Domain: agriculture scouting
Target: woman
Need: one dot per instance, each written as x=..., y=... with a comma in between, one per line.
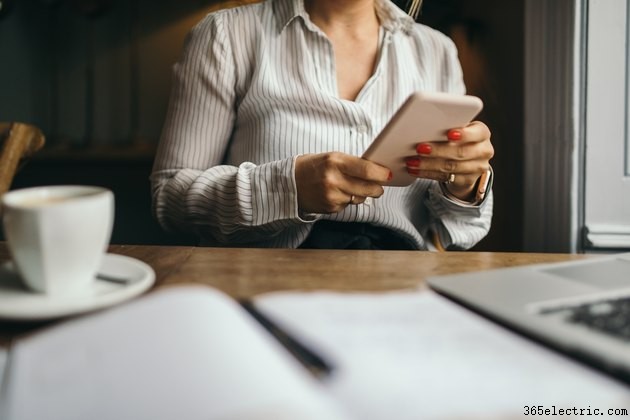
x=271, y=105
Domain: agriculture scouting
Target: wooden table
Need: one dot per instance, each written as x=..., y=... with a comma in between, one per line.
x=244, y=272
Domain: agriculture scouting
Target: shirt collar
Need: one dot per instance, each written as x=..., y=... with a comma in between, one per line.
x=286, y=11
x=392, y=18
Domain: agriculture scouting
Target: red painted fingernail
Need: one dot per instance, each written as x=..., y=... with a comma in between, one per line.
x=413, y=162
x=454, y=135
x=390, y=176
x=424, y=149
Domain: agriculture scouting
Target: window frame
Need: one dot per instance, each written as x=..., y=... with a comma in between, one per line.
x=606, y=161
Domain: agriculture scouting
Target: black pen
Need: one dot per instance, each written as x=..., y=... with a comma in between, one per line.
x=315, y=363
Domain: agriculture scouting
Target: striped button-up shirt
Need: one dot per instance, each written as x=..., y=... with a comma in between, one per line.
x=256, y=86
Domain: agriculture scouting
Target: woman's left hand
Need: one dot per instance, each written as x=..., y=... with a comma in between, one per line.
x=459, y=162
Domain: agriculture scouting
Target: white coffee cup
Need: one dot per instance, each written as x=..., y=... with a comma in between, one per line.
x=57, y=235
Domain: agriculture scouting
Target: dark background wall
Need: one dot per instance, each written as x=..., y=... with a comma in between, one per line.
x=489, y=36
x=95, y=76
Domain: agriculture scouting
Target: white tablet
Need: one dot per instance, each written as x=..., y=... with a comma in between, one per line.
x=425, y=116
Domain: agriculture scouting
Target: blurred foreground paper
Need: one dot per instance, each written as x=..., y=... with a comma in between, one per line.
x=412, y=355
x=180, y=353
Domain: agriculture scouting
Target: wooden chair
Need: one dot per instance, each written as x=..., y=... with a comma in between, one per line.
x=18, y=141
x=437, y=242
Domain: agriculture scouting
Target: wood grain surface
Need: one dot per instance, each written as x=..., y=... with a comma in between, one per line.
x=246, y=272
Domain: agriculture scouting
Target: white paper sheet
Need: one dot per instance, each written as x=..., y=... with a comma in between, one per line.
x=417, y=355
x=184, y=353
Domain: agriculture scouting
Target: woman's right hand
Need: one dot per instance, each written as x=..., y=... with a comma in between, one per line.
x=328, y=182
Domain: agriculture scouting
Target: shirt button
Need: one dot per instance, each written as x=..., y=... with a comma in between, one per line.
x=368, y=201
x=361, y=129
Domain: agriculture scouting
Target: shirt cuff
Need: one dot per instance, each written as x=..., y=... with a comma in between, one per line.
x=301, y=216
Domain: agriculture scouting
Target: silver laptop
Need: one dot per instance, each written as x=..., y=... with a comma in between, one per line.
x=579, y=307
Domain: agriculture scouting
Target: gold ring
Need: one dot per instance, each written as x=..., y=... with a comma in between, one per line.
x=451, y=178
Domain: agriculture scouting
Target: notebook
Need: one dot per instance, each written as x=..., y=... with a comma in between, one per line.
x=185, y=352
x=191, y=352
x=580, y=307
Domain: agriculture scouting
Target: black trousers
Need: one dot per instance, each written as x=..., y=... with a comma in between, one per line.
x=327, y=234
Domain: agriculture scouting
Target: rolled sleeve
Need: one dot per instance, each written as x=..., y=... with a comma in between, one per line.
x=459, y=226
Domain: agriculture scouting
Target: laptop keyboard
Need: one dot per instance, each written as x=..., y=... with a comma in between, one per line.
x=610, y=316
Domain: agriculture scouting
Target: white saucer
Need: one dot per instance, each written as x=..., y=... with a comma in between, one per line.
x=18, y=303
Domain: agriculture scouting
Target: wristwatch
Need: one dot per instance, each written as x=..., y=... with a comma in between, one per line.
x=484, y=185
